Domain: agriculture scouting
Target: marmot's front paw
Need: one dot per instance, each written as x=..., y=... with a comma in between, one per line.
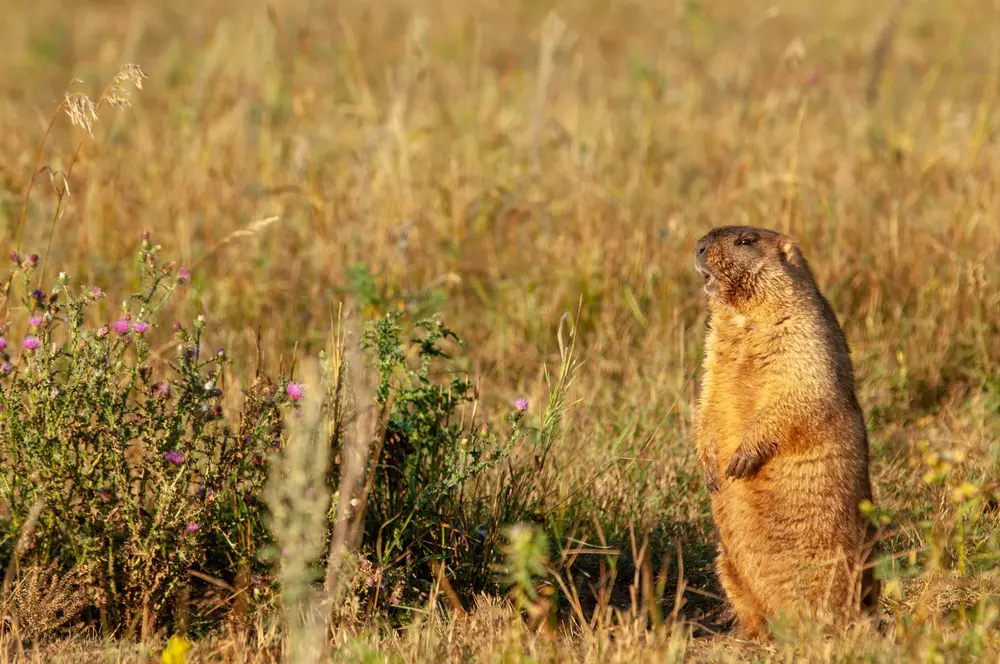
x=744, y=463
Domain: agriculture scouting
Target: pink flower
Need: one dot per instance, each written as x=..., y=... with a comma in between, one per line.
x=31, y=342
x=192, y=527
x=295, y=391
x=183, y=275
x=3, y=343
x=521, y=404
x=162, y=390
x=96, y=293
x=140, y=327
x=121, y=326
x=35, y=321
x=174, y=457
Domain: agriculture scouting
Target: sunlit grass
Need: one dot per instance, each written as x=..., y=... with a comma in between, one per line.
x=503, y=166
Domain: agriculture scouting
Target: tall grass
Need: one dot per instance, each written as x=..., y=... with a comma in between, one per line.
x=462, y=175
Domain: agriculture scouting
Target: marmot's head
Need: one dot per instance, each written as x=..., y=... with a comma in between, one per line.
x=744, y=266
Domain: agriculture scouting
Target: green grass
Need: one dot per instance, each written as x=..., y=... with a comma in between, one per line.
x=503, y=169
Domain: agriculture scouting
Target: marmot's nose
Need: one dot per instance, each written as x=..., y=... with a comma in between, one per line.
x=701, y=247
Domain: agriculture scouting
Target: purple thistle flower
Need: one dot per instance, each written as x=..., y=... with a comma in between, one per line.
x=103, y=331
x=521, y=404
x=295, y=391
x=6, y=368
x=140, y=327
x=33, y=260
x=3, y=343
x=192, y=527
x=15, y=258
x=162, y=390
x=174, y=457
x=121, y=326
x=31, y=342
x=183, y=275
x=35, y=321
x=96, y=293
x=38, y=294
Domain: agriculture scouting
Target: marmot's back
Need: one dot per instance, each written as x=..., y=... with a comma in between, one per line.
x=780, y=434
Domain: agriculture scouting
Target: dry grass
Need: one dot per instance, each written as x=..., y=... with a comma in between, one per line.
x=498, y=165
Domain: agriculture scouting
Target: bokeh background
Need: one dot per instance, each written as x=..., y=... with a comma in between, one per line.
x=503, y=163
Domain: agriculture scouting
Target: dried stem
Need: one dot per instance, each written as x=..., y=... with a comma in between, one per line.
x=355, y=452
x=27, y=530
x=81, y=112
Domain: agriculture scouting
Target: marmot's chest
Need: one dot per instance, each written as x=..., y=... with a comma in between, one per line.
x=737, y=383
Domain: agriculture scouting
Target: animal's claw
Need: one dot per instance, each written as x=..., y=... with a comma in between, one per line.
x=743, y=464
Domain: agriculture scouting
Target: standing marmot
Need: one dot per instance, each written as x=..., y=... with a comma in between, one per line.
x=780, y=435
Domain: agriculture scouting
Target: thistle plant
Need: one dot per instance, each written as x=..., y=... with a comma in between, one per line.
x=428, y=467
x=136, y=467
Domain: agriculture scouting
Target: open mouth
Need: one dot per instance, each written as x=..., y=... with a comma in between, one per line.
x=710, y=280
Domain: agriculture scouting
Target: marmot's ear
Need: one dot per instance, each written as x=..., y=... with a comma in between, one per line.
x=790, y=250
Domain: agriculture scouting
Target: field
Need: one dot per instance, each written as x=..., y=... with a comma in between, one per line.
x=312, y=175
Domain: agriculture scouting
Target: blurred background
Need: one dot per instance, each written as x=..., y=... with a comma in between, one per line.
x=506, y=162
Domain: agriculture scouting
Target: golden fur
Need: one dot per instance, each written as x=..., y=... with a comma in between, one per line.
x=780, y=435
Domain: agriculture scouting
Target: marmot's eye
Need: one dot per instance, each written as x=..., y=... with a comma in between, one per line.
x=745, y=241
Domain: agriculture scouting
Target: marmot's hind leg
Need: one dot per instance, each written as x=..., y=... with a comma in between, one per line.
x=748, y=611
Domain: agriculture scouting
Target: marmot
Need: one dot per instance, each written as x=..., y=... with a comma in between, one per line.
x=781, y=437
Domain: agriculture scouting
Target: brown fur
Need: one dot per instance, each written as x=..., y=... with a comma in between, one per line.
x=780, y=435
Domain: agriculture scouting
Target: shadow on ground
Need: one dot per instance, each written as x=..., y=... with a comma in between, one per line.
x=613, y=581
